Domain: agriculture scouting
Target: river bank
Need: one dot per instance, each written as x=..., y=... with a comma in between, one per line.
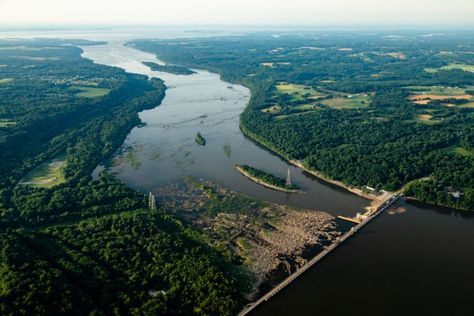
x=272, y=241
x=376, y=200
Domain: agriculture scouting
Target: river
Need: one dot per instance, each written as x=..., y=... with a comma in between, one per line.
x=163, y=149
x=413, y=259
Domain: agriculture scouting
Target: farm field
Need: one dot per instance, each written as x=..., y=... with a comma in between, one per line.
x=463, y=67
x=6, y=80
x=438, y=90
x=89, y=92
x=462, y=151
x=47, y=175
x=426, y=119
x=422, y=95
x=469, y=105
x=299, y=92
x=349, y=102
x=7, y=123
x=272, y=109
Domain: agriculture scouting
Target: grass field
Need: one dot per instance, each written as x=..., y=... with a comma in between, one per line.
x=273, y=109
x=426, y=119
x=422, y=95
x=464, y=67
x=7, y=123
x=459, y=151
x=299, y=92
x=6, y=80
x=24, y=48
x=343, y=103
x=89, y=92
x=438, y=90
x=396, y=55
x=304, y=107
x=463, y=152
x=469, y=105
x=46, y=175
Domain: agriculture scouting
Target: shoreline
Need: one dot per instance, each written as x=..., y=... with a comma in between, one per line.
x=263, y=183
x=376, y=200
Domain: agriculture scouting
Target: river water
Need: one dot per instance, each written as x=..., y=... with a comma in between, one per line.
x=163, y=150
x=414, y=259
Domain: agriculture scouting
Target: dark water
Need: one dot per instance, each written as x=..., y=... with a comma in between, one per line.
x=418, y=261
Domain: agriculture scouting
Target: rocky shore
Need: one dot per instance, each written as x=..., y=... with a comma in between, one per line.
x=263, y=236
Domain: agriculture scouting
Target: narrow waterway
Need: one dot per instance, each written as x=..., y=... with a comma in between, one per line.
x=414, y=259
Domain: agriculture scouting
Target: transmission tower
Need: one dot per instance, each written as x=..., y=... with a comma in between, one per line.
x=288, y=179
x=151, y=201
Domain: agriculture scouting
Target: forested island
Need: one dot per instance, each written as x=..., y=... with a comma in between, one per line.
x=177, y=70
x=266, y=179
x=71, y=245
x=199, y=139
x=372, y=110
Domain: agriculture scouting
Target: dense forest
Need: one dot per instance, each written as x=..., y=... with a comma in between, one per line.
x=391, y=111
x=84, y=246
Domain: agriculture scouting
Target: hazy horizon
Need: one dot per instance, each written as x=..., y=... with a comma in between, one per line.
x=297, y=13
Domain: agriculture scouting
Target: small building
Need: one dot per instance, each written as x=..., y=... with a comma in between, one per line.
x=454, y=192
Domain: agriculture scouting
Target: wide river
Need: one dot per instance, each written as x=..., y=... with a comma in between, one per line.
x=411, y=260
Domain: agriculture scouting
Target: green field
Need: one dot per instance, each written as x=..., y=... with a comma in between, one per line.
x=463, y=152
x=438, y=90
x=299, y=92
x=459, y=151
x=464, y=67
x=426, y=119
x=307, y=107
x=469, y=105
x=273, y=109
x=89, y=92
x=343, y=103
x=6, y=80
x=46, y=175
x=23, y=48
x=7, y=123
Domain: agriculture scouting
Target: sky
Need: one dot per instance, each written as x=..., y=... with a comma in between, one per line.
x=240, y=12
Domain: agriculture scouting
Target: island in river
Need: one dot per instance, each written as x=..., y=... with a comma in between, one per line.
x=267, y=179
x=173, y=69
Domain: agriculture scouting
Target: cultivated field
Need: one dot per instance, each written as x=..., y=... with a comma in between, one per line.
x=274, y=109
x=348, y=102
x=422, y=95
x=6, y=80
x=299, y=92
x=89, y=92
x=462, y=151
x=46, y=175
x=7, y=123
x=464, y=67
x=426, y=119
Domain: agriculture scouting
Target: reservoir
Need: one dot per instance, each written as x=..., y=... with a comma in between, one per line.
x=413, y=259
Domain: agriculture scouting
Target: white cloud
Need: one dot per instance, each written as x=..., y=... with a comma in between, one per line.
x=286, y=12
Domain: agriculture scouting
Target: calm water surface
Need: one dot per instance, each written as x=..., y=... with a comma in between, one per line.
x=163, y=150
x=417, y=261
